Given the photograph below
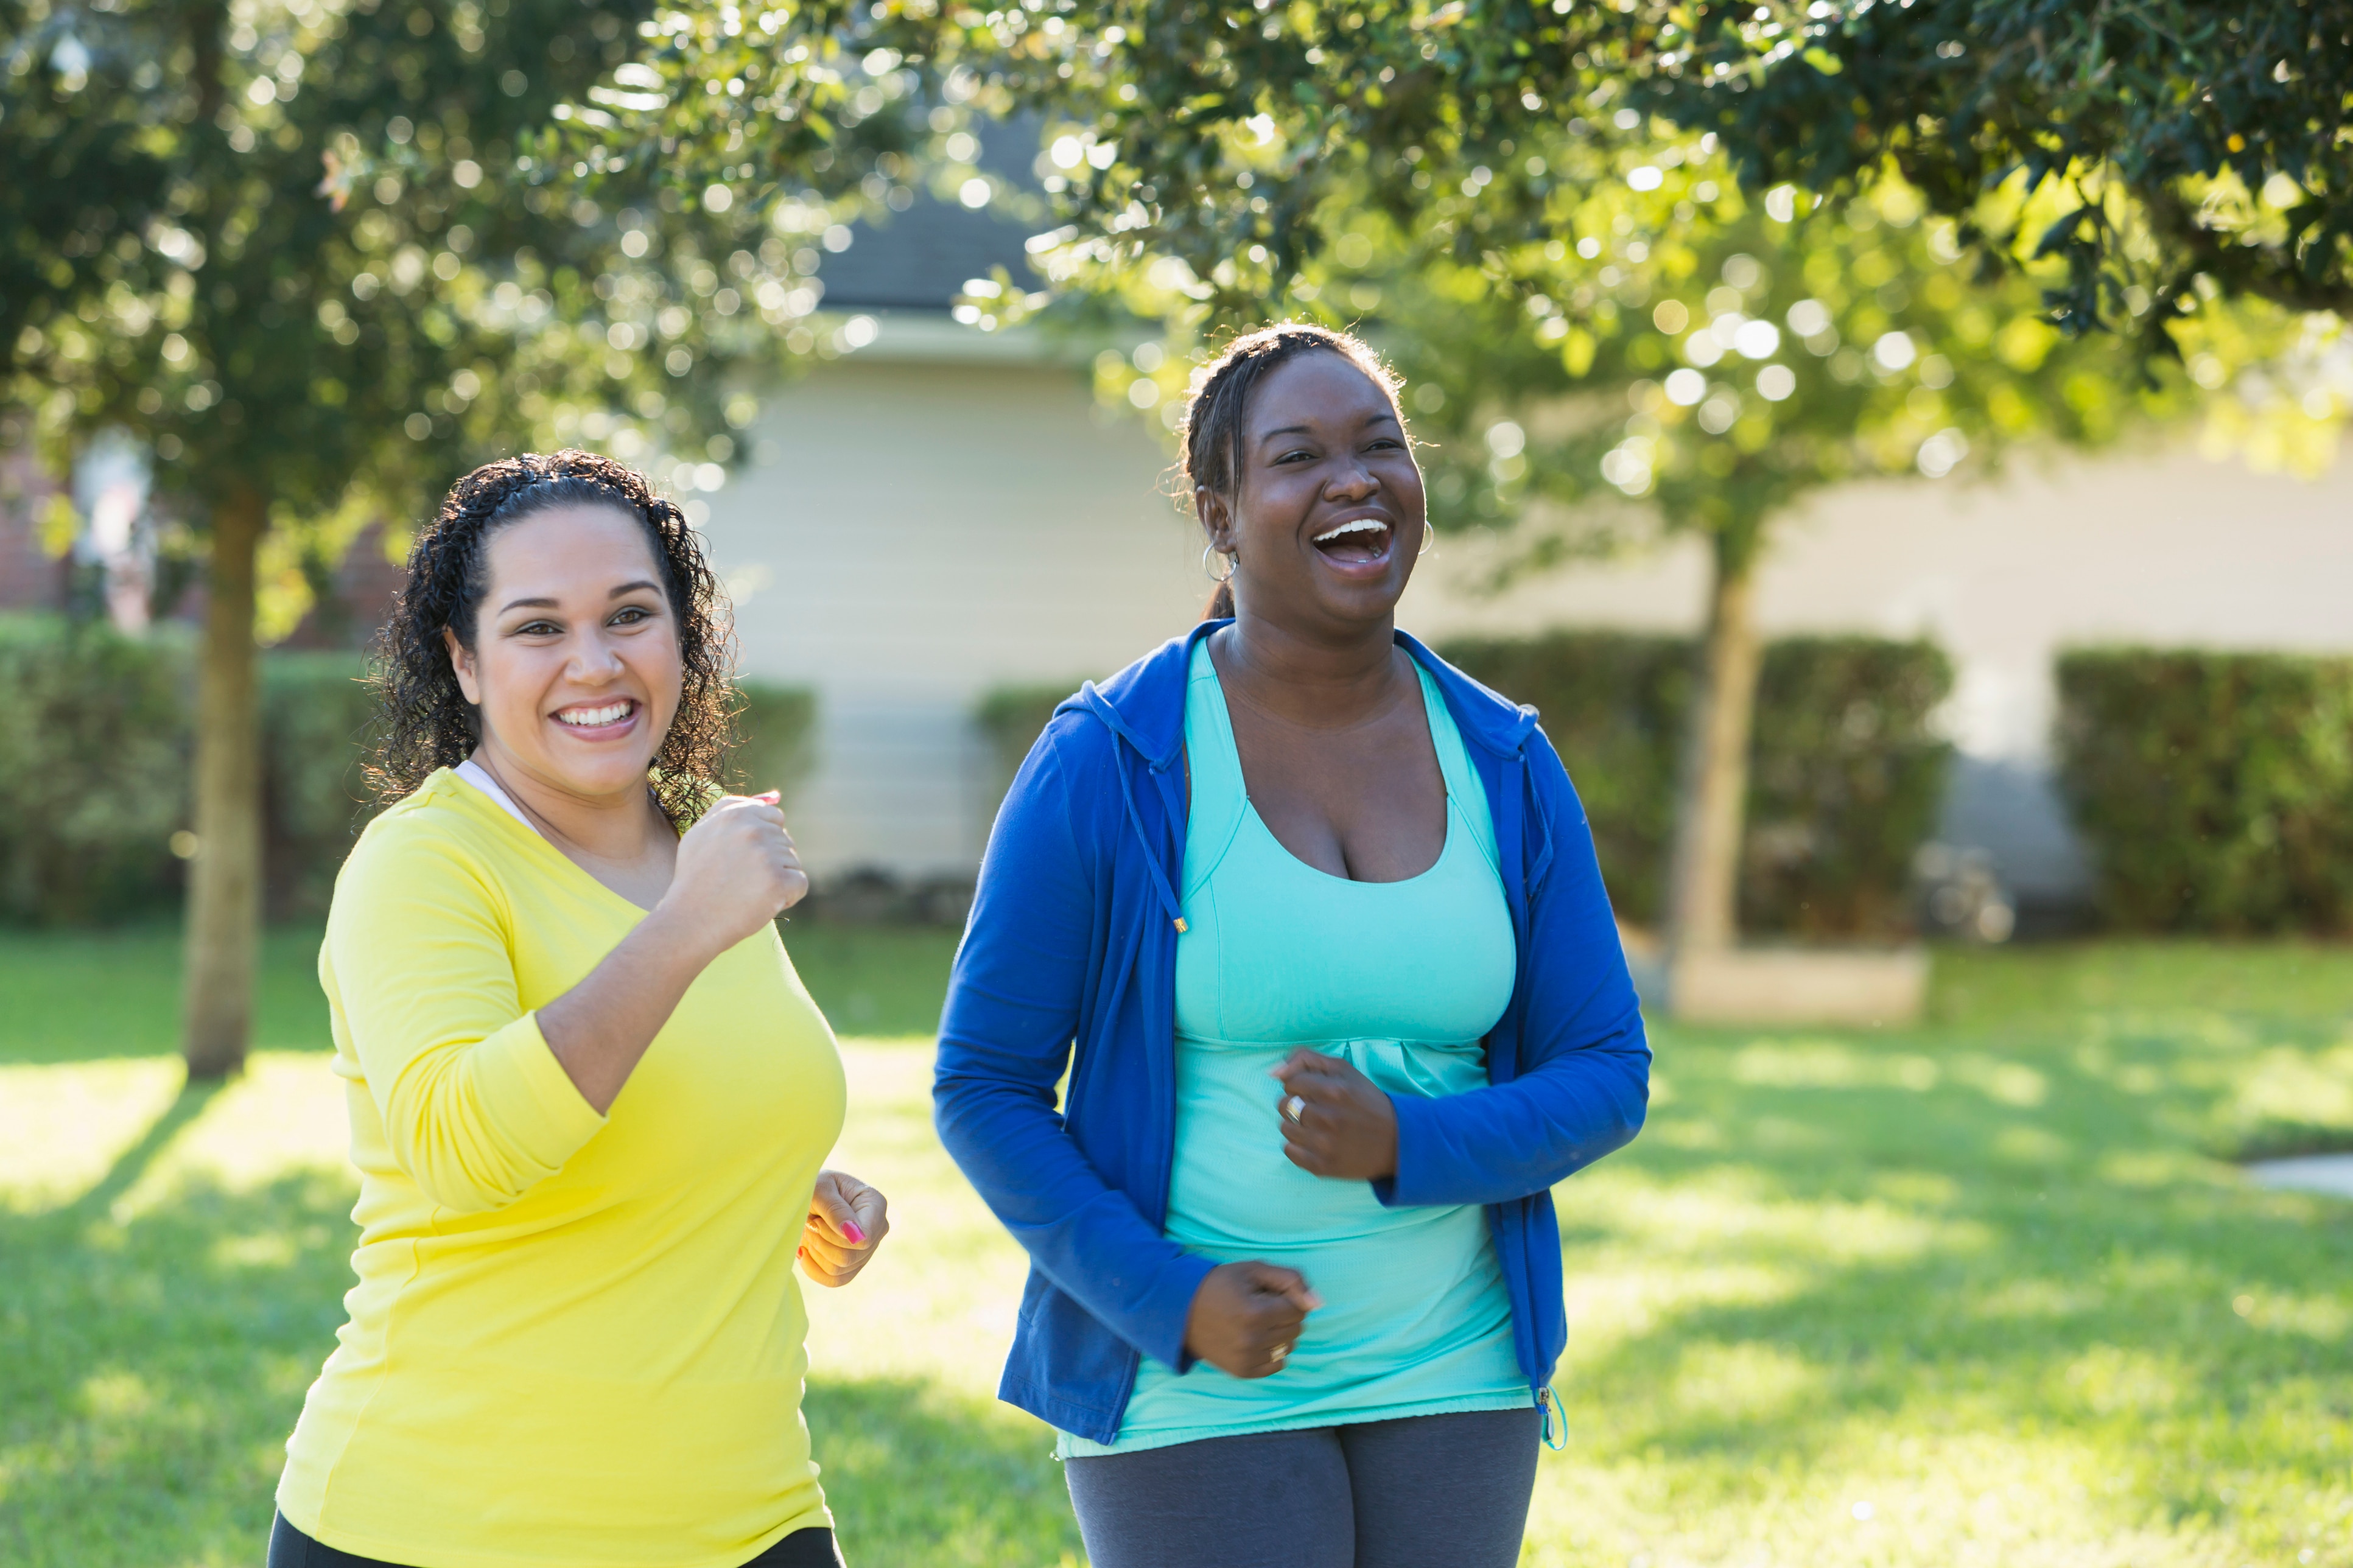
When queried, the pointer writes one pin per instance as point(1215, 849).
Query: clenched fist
point(1335, 1121)
point(847, 1221)
point(736, 872)
point(1246, 1316)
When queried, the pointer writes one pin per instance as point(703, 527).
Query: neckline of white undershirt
point(474, 774)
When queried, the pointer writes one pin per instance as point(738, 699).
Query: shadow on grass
point(1983, 1244)
point(132, 1162)
point(153, 1363)
point(2026, 1244)
point(918, 1477)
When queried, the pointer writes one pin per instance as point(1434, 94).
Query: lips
point(1359, 542)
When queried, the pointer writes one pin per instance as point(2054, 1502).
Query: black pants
point(1424, 1491)
point(289, 1548)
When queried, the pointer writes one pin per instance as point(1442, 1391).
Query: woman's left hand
point(847, 1221)
point(1335, 1121)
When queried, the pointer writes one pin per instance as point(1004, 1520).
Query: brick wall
point(364, 584)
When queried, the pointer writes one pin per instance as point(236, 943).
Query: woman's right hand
point(736, 870)
point(1246, 1316)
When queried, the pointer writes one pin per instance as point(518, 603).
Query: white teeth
point(1362, 525)
point(586, 717)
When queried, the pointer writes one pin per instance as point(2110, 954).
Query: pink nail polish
point(857, 1236)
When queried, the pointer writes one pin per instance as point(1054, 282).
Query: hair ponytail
point(1221, 606)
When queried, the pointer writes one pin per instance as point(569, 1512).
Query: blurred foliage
point(93, 755)
point(779, 725)
point(2174, 139)
point(94, 778)
point(1010, 718)
point(320, 256)
point(2196, 149)
point(1846, 771)
point(315, 716)
point(1677, 344)
point(2214, 789)
point(1616, 706)
point(1485, 190)
point(1845, 778)
point(94, 775)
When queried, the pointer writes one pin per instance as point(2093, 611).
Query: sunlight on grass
point(63, 1128)
point(1978, 1293)
point(2284, 1089)
point(283, 1115)
point(938, 1302)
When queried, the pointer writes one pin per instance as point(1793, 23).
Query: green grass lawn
point(77, 995)
point(1979, 1292)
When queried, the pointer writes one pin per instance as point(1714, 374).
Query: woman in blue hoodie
point(1313, 922)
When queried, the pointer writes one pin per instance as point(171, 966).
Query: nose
point(1352, 481)
point(595, 661)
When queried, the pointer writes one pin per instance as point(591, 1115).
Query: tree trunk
point(225, 880)
point(1703, 879)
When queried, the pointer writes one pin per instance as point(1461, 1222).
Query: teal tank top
point(1403, 980)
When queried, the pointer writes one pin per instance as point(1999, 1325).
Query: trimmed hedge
point(1845, 779)
point(94, 753)
point(1845, 771)
point(1010, 718)
point(95, 736)
point(315, 720)
point(315, 716)
point(2214, 791)
point(1614, 704)
point(779, 728)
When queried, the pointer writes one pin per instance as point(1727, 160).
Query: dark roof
point(920, 259)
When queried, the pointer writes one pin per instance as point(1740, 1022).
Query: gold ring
point(1296, 1109)
point(1280, 1354)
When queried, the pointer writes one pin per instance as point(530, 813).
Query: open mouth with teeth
point(1361, 543)
point(603, 719)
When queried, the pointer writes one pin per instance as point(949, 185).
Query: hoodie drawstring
point(1151, 859)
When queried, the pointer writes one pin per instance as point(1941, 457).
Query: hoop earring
point(1428, 534)
point(1212, 572)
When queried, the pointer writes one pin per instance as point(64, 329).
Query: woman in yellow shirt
point(589, 1097)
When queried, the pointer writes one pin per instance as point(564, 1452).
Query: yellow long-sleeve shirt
point(576, 1340)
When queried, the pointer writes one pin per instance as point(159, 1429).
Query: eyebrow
point(1304, 430)
point(550, 604)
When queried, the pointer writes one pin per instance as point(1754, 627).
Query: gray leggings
point(1424, 1491)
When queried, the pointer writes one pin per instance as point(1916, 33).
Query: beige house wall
point(926, 529)
point(943, 513)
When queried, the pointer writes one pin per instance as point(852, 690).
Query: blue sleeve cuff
point(1415, 1145)
point(1173, 1308)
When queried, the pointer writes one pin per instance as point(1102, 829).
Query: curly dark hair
point(424, 720)
point(1211, 429)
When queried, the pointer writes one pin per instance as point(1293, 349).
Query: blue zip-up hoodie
point(1073, 941)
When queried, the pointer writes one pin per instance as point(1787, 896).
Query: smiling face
point(1327, 512)
point(574, 668)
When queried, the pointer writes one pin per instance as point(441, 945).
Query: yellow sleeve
point(475, 1107)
